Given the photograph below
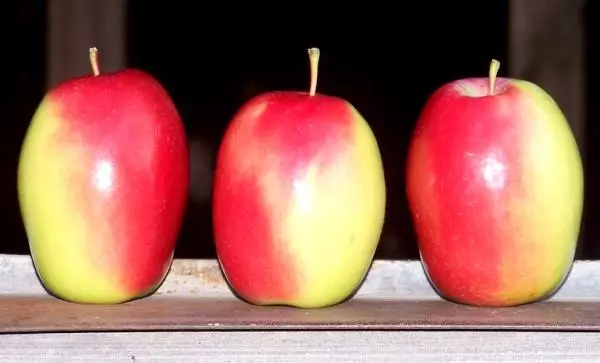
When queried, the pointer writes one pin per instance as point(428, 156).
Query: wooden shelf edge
point(387, 279)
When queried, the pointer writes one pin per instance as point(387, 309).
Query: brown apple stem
point(494, 67)
point(94, 61)
point(313, 55)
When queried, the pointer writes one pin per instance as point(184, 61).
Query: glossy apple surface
point(299, 199)
point(495, 186)
point(103, 182)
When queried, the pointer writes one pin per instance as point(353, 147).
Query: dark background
point(384, 61)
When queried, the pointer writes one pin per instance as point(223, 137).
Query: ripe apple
point(495, 188)
point(102, 185)
point(299, 198)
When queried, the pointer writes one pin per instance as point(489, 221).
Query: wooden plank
point(399, 279)
point(395, 316)
point(395, 295)
point(24, 314)
point(303, 346)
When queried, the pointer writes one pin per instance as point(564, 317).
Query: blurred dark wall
point(386, 67)
point(23, 57)
point(387, 72)
point(591, 222)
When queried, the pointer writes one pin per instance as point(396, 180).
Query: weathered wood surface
point(176, 313)
point(395, 316)
point(387, 279)
point(395, 296)
point(303, 346)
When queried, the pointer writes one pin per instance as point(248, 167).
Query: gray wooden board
point(386, 279)
point(43, 314)
point(303, 346)
point(395, 315)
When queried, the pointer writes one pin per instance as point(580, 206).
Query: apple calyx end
point(313, 56)
point(494, 67)
point(94, 61)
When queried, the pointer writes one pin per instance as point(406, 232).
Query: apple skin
point(102, 185)
point(299, 200)
point(495, 188)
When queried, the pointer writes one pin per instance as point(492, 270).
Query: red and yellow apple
point(299, 198)
point(495, 187)
point(102, 185)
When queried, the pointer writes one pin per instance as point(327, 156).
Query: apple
point(102, 186)
point(298, 198)
point(495, 188)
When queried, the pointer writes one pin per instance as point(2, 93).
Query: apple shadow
point(39, 278)
point(544, 297)
point(560, 285)
point(246, 301)
point(143, 295)
point(229, 286)
point(378, 254)
point(346, 299)
point(359, 285)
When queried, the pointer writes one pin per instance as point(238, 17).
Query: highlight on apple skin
point(102, 185)
point(299, 198)
point(495, 187)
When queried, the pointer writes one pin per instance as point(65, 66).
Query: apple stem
point(494, 67)
point(94, 61)
point(313, 56)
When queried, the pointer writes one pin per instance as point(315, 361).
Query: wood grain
point(176, 313)
point(303, 346)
